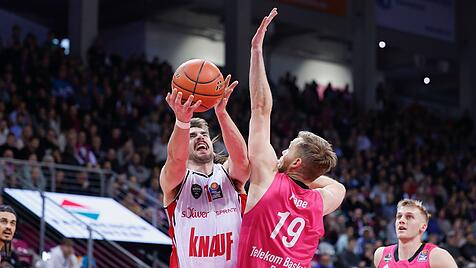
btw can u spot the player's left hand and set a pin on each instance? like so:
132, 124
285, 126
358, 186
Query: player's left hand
257, 41
221, 105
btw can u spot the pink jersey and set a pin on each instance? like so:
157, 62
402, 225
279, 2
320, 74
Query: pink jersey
421, 258
284, 227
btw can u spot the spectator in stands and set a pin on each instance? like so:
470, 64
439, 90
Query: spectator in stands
61, 186
63, 256
136, 169
325, 255
348, 258
453, 247
10, 144
82, 185
469, 248
3, 131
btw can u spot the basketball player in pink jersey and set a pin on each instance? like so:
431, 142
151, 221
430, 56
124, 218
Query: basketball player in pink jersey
204, 200
410, 224
283, 220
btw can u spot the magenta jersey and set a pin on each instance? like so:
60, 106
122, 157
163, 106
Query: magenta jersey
421, 258
283, 229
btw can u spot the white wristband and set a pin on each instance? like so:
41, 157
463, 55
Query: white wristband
181, 124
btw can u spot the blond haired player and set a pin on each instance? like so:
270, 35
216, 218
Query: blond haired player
410, 224
286, 203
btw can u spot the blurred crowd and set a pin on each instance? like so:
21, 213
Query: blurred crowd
110, 112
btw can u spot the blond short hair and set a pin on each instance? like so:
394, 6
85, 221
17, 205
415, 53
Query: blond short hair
317, 155
415, 204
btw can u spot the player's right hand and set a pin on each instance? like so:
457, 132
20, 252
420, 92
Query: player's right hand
183, 112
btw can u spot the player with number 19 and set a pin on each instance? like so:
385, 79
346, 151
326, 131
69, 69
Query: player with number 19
283, 219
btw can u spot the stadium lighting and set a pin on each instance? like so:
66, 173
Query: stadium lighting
382, 44
426, 80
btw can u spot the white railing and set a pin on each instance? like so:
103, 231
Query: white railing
52, 177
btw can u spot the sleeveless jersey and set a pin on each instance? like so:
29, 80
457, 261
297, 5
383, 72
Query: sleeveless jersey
421, 258
284, 227
205, 220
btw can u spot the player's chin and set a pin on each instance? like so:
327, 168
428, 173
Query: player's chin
401, 235
6, 237
203, 156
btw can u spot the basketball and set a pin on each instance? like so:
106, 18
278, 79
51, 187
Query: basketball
202, 79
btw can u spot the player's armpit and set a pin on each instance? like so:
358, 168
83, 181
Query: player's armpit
440, 258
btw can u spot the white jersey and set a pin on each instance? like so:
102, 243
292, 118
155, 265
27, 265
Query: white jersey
205, 220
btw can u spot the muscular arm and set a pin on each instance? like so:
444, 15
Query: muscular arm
440, 258
378, 256
175, 166
237, 165
263, 160
260, 151
332, 193
173, 172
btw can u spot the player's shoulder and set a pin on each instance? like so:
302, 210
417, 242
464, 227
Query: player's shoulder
438, 252
440, 257
378, 255
378, 252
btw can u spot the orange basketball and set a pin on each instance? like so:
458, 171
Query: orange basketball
202, 79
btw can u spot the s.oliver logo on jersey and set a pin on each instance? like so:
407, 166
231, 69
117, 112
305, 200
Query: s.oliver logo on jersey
193, 213
210, 245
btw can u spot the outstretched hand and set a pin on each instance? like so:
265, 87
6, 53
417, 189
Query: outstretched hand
183, 112
221, 105
257, 41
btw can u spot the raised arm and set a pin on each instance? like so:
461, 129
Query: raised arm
260, 151
173, 172
332, 192
237, 165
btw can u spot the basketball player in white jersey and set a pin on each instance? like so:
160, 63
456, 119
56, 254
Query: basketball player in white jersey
204, 200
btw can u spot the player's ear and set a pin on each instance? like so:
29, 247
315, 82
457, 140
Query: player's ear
296, 163
423, 227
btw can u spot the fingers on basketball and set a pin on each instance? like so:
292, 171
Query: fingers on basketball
202, 79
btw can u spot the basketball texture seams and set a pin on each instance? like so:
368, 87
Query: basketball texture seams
202, 79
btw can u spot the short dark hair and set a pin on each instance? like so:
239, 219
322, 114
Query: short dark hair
199, 122
9, 209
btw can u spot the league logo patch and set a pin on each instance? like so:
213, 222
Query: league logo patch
387, 257
215, 190
196, 191
423, 256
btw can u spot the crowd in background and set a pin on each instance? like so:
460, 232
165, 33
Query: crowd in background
110, 112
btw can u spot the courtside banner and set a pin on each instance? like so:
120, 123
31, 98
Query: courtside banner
105, 215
